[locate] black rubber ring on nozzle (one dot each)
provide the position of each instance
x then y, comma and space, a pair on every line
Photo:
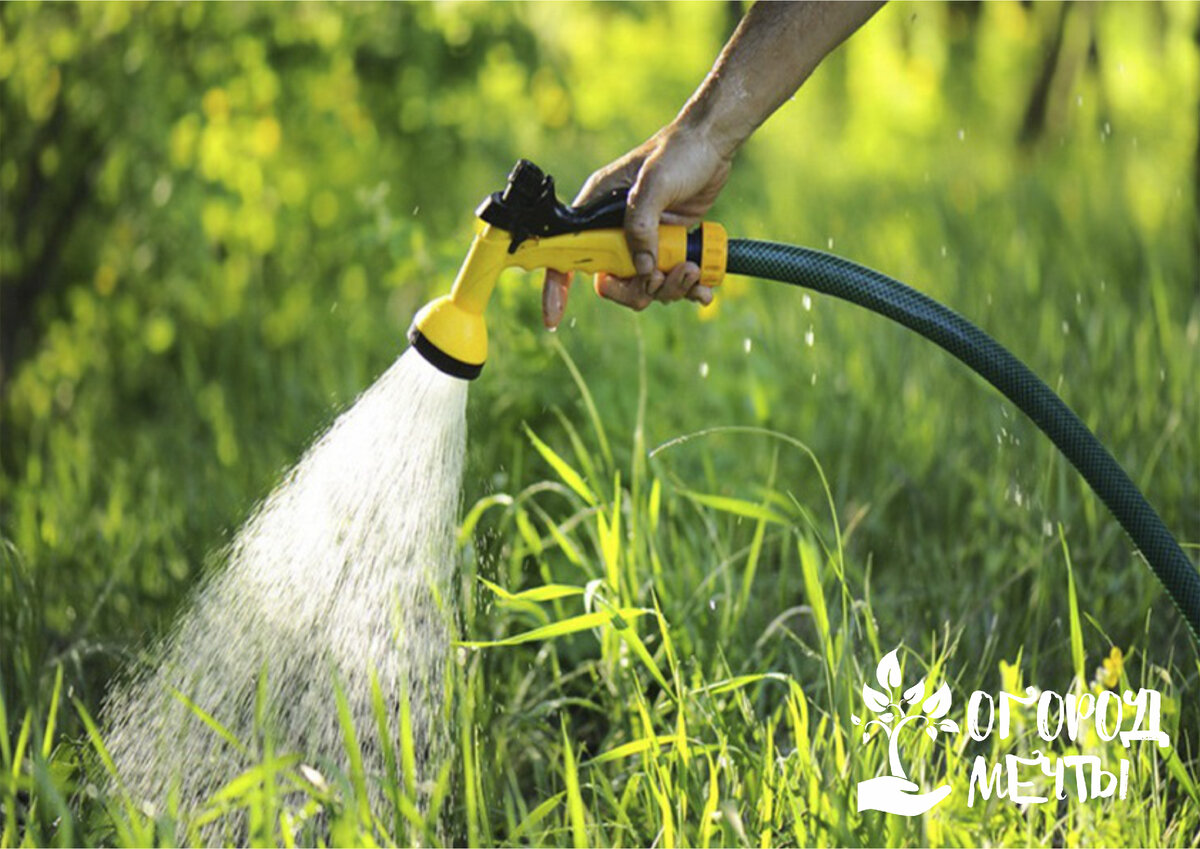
440, 360
695, 246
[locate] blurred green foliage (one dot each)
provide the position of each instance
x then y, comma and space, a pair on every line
217, 220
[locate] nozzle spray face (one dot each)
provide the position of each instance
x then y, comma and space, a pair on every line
451, 338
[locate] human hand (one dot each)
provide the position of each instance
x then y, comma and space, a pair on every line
672, 179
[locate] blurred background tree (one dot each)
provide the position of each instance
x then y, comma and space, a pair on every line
217, 220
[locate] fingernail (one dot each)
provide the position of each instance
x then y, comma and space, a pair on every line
654, 282
643, 262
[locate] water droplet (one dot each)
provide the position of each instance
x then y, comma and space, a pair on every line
704, 369
161, 192
810, 337
806, 301
747, 344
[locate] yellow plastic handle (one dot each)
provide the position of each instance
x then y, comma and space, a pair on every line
454, 324
606, 251
590, 251
598, 251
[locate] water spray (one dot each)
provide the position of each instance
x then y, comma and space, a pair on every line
526, 226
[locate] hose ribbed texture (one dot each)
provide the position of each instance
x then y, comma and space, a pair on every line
879, 293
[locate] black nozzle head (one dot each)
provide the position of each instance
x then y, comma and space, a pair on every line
528, 207
440, 360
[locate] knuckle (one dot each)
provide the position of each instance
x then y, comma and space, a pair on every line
640, 225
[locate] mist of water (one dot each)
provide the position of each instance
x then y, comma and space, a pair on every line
345, 568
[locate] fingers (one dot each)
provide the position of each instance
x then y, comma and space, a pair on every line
554, 297
678, 282
626, 291
703, 295
646, 204
682, 282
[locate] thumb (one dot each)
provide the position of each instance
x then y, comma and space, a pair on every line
647, 200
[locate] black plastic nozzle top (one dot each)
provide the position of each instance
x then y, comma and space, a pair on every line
529, 206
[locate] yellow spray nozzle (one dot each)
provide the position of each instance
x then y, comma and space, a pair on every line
527, 227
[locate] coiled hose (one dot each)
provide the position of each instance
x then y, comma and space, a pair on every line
879, 293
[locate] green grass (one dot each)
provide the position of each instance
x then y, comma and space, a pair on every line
682, 555
628, 694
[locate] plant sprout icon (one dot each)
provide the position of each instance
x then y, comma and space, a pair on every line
893, 793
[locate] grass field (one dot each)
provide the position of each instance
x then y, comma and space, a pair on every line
688, 537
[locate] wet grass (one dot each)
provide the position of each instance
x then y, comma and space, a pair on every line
647, 659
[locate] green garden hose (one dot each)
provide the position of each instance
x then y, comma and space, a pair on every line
879, 293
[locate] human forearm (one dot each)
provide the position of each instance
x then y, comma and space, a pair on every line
772, 52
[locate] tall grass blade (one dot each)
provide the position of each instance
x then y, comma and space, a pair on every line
563, 469
617, 618
588, 402
211, 721
534, 817
738, 507
546, 592
574, 796
810, 570
52, 718
1077, 655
